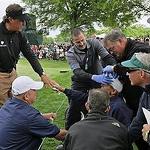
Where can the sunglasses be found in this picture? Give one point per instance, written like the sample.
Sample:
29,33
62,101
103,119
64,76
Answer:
132,70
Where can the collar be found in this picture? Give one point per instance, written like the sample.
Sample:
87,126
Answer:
18,100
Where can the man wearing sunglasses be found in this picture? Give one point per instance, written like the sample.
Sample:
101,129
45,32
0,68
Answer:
139,74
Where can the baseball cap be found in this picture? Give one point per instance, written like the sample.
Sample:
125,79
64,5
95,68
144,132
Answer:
136,62
23,84
15,11
117,85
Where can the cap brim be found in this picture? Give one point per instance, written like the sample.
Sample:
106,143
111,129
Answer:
37,85
128,64
23,17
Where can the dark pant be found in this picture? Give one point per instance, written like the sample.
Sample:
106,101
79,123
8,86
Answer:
74,113
76,107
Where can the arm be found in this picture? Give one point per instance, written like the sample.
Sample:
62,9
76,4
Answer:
75,66
103,53
74,95
28,53
39,126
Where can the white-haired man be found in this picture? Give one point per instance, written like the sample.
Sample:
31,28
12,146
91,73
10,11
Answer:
139,74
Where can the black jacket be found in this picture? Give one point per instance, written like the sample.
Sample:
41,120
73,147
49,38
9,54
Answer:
132,94
11,44
97,132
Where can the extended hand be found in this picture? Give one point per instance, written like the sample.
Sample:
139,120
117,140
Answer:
48,82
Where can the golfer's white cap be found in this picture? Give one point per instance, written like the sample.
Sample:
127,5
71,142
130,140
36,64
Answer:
117,85
23,84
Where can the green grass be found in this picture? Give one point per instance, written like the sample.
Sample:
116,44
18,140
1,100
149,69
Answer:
48,100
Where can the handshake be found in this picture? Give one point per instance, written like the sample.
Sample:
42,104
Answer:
106,77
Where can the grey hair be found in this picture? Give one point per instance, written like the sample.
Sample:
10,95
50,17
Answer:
113,36
98,100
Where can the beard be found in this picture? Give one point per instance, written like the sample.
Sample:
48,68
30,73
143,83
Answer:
81,48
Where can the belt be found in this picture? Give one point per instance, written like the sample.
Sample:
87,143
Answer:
6,71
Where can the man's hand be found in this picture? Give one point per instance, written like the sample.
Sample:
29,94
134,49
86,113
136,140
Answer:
49,116
145,131
47,82
108,69
61,135
59,88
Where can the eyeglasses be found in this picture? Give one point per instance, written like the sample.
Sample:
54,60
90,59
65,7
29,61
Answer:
132,70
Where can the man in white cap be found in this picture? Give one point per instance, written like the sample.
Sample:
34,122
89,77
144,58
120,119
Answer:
118,107
21,125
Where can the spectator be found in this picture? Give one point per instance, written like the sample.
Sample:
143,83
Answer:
124,48
12,42
21,126
139,74
97,131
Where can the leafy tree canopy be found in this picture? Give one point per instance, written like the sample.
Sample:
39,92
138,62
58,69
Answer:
67,14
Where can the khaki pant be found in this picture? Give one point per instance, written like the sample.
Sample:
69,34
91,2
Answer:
6,80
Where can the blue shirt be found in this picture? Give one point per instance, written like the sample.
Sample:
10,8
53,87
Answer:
22,127
120,111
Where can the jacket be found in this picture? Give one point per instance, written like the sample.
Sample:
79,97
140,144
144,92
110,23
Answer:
11,44
97,132
135,129
87,62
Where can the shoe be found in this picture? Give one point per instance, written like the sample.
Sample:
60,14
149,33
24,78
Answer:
60,147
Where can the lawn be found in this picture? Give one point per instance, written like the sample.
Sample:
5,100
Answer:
47,99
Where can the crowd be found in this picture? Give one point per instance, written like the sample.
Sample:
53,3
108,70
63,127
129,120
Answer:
110,87
52,51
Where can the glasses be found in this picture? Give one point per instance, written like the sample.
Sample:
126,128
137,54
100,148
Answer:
132,70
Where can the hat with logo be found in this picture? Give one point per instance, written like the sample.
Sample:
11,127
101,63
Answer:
23,84
15,11
138,61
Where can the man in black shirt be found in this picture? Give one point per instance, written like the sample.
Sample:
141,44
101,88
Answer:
12,42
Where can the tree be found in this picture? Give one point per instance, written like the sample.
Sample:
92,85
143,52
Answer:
67,14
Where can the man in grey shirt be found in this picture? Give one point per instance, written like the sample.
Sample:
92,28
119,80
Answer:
85,58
